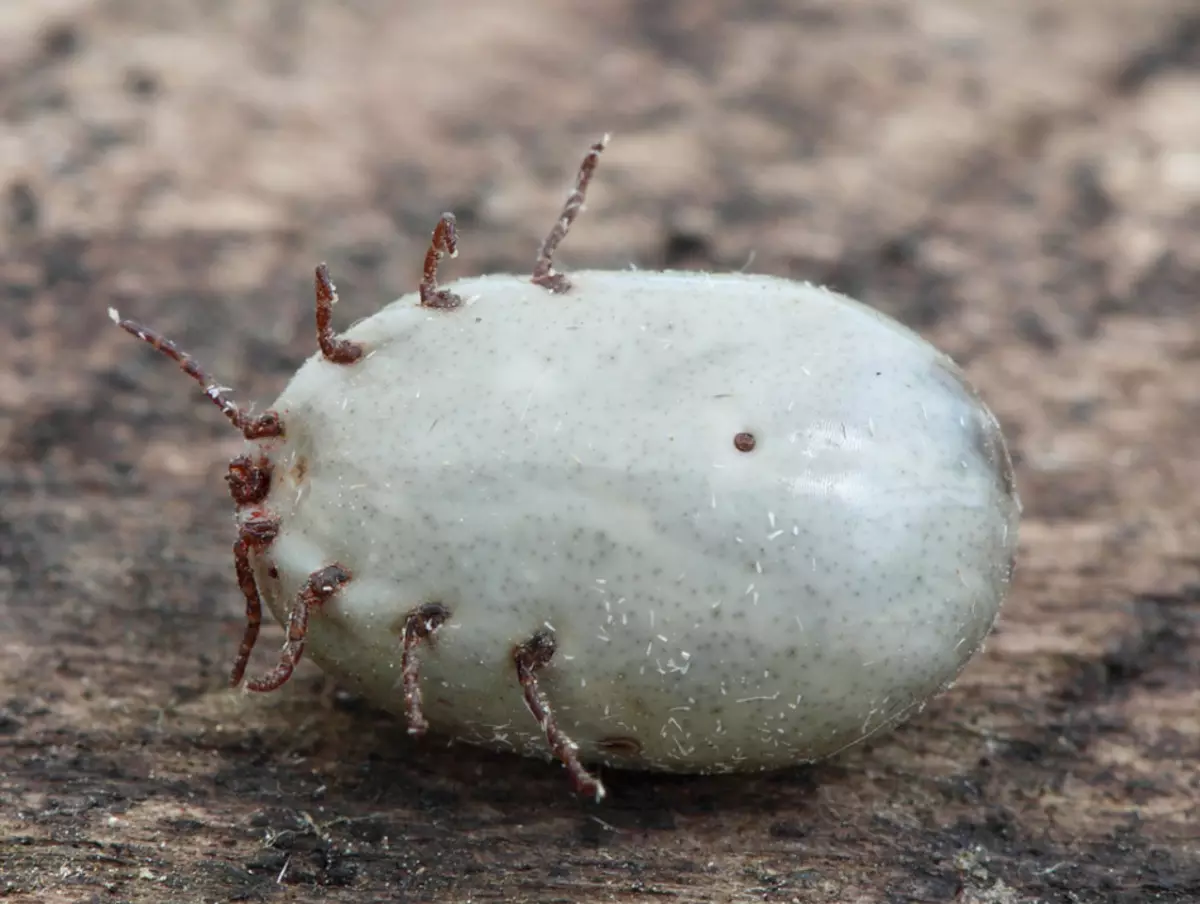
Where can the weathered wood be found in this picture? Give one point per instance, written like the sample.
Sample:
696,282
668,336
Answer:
1015,179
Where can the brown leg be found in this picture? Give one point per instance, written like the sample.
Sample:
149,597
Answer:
544,273
245,579
531,656
249,483
317,590
264,425
444,241
254,534
421,624
336,351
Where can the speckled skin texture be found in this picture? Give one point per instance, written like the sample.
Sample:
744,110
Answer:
533,461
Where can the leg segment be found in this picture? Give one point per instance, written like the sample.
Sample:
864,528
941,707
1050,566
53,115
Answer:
544,274
249,483
254,534
529,657
245,579
421,624
317,590
444,241
264,425
336,351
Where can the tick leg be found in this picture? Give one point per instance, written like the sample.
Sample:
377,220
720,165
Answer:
336,351
255,533
422,624
443,242
544,274
245,579
249,483
529,657
264,425
317,590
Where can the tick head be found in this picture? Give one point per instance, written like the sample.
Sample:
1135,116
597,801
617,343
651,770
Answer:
249,479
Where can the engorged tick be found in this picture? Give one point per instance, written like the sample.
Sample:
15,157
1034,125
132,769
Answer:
509,511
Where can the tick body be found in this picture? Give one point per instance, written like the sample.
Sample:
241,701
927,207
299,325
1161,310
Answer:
670,521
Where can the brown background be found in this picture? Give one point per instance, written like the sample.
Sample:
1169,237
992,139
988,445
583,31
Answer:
1018,180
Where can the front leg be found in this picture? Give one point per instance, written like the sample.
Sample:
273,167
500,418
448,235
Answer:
317,590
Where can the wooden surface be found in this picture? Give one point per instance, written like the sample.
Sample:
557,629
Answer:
1020,181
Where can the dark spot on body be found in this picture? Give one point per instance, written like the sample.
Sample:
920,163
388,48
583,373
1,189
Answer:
744,442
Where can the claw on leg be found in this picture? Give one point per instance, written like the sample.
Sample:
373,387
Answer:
422,624
544,274
530,656
317,590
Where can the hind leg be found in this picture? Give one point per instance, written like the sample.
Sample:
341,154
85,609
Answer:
530,656
544,274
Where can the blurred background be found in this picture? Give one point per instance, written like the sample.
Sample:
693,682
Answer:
1018,181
